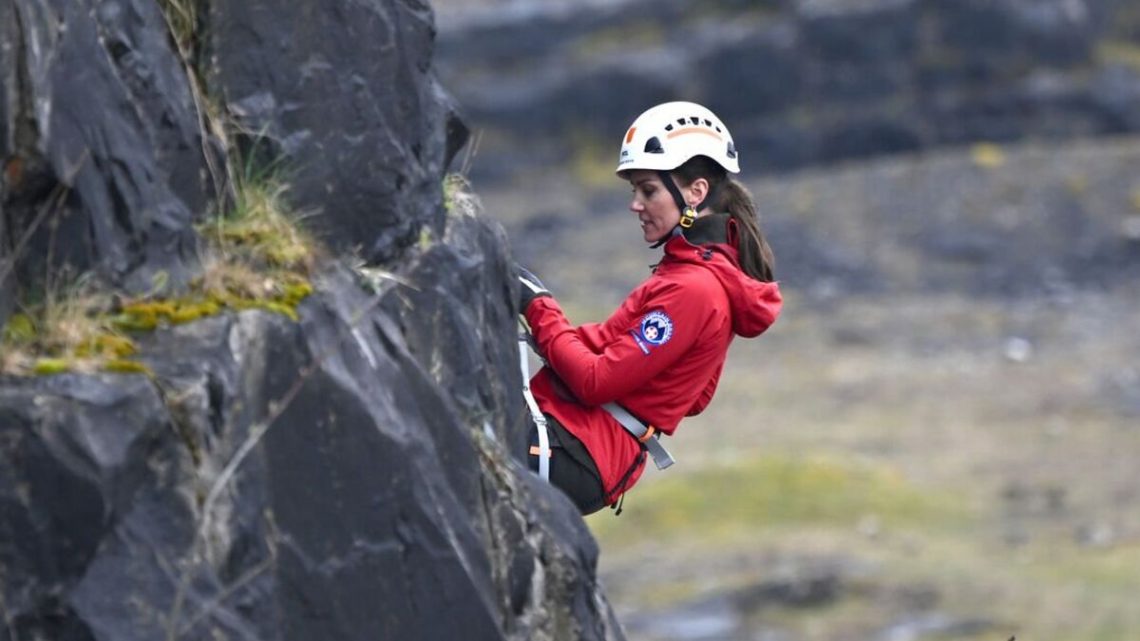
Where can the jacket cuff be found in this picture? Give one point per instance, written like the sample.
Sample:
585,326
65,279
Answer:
538,306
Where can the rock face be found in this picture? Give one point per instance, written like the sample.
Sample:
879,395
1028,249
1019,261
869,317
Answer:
349,96
800,82
346,476
104,166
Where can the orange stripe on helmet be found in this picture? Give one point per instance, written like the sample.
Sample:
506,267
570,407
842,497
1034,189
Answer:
694,130
629,135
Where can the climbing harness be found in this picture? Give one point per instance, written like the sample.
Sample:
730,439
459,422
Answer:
647,435
543,448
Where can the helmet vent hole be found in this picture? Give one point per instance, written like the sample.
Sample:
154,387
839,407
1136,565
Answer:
653,146
669,127
731,150
695,120
708,123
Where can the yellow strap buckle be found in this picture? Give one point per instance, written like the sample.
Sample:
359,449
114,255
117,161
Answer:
687,217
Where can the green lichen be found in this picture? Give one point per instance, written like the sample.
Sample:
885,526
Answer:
126,366
256,256
145,316
50,366
105,345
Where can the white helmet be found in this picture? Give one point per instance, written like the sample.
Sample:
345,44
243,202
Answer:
666,136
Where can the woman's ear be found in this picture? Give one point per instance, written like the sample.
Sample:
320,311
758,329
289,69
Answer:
696,191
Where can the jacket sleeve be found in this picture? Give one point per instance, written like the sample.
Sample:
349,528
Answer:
652,329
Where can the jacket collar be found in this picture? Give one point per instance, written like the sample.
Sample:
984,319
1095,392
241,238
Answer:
710,229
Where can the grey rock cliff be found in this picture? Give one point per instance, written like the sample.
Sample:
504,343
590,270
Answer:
350,475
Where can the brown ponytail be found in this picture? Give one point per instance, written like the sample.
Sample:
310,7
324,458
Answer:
733,198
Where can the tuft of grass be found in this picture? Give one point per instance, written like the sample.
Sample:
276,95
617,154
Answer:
736,498
182,20
68,330
256,257
261,233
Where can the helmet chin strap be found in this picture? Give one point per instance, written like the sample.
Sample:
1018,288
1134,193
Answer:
688,212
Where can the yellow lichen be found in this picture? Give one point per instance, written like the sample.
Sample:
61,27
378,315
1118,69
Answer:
49,366
257,256
126,366
105,345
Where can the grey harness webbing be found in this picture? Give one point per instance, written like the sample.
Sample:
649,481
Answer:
661,457
536,413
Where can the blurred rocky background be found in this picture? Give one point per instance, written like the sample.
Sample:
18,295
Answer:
936,440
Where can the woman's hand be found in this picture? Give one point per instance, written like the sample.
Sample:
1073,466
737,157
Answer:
530,289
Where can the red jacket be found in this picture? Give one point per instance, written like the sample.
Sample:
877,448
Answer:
659,355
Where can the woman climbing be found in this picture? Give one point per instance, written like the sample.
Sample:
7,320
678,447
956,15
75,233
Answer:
607,390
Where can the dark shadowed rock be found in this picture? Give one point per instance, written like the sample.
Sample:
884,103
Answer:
283,481
348,475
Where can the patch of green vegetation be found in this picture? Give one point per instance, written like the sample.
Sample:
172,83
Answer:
65,329
256,257
261,230
1122,52
49,366
776,491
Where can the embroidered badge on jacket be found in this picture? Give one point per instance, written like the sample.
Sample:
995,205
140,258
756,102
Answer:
656,329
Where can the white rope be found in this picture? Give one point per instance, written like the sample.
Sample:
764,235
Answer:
539,419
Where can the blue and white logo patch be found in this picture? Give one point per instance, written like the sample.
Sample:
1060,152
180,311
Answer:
656,328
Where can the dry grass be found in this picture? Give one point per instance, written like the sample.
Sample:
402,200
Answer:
69,330
259,249
257,256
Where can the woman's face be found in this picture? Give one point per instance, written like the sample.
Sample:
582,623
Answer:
653,205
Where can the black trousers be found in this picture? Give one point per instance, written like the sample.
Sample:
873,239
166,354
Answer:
572,470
